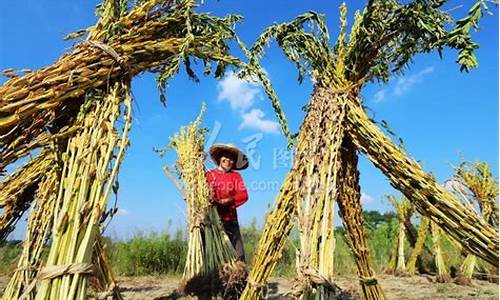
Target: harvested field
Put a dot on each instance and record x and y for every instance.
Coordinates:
(401, 288)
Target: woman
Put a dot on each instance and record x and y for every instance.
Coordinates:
(228, 189)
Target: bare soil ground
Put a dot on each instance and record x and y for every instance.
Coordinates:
(399, 288)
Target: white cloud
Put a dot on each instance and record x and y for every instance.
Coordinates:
(404, 84)
(379, 96)
(239, 93)
(365, 198)
(254, 119)
(242, 96)
(122, 212)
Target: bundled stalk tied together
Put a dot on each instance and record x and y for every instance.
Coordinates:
(310, 279)
(51, 272)
(441, 268)
(199, 220)
(38, 231)
(423, 230)
(77, 100)
(154, 35)
(397, 264)
(306, 195)
(91, 164)
(18, 190)
(318, 191)
(211, 268)
(55, 272)
(475, 184)
(429, 198)
(322, 173)
(383, 40)
(351, 212)
(368, 281)
(103, 282)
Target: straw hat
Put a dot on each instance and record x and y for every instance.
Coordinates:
(216, 151)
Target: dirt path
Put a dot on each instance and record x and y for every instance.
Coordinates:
(398, 288)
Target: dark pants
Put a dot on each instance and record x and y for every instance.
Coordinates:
(232, 229)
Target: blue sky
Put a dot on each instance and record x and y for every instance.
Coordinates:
(440, 113)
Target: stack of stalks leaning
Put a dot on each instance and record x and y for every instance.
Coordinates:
(380, 44)
(211, 266)
(323, 172)
(60, 102)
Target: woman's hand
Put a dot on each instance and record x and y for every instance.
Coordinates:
(225, 201)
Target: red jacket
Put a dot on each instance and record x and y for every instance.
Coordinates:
(227, 185)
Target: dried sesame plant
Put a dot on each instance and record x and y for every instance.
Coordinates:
(82, 104)
(211, 266)
(382, 41)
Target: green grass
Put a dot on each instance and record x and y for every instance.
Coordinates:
(164, 253)
(148, 254)
(9, 251)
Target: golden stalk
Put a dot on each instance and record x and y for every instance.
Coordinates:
(321, 135)
(38, 230)
(346, 67)
(420, 188)
(273, 239)
(153, 36)
(18, 190)
(419, 244)
(483, 186)
(467, 268)
(318, 150)
(91, 164)
(442, 272)
(42, 106)
(351, 213)
(403, 211)
(103, 282)
(210, 252)
(400, 261)
(316, 196)
(16, 149)
(476, 183)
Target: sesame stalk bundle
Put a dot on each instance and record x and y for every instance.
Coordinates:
(211, 268)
